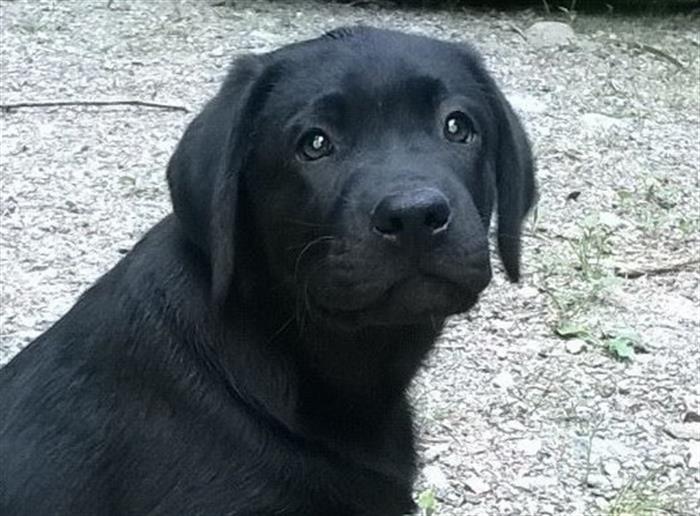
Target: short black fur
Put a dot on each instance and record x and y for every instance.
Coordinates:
(250, 355)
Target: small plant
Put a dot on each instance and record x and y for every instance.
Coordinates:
(644, 497)
(427, 502)
(576, 294)
(594, 244)
(570, 330)
(621, 344)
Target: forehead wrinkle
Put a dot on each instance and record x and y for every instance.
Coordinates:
(398, 98)
(332, 105)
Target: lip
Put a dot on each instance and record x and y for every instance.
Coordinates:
(390, 307)
(385, 296)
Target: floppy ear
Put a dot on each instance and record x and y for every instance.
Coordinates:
(515, 180)
(203, 173)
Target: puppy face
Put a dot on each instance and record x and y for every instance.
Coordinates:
(372, 180)
(363, 167)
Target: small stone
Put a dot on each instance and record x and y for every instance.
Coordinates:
(528, 104)
(549, 34)
(693, 455)
(578, 508)
(650, 465)
(611, 467)
(513, 427)
(602, 505)
(602, 449)
(530, 483)
(596, 121)
(452, 460)
(477, 485)
(472, 499)
(217, 52)
(434, 451)
(597, 481)
(529, 292)
(503, 380)
(617, 482)
(501, 354)
(685, 431)
(575, 346)
(675, 461)
(435, 477)
(530, 447)
(503, 325)
(624, 386)
(692, 408)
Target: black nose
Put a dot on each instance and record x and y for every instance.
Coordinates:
(416, 216)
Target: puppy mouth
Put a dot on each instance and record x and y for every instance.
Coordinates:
(409, 300)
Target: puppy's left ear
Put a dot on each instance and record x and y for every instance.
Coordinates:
(515, 180)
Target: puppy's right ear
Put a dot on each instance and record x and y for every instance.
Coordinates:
(204, 172)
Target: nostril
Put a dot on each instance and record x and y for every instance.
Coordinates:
(388, 225)
(395, 225)
(437, 217)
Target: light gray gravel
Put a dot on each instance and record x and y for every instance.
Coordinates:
(511, 423)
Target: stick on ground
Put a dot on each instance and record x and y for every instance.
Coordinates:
(97, 103)
(637, 271)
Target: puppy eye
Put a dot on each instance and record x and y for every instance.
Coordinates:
(459, 128)
(315, 145)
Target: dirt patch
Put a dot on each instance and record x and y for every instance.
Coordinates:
(513, 418)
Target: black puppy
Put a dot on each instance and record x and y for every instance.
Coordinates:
(250, 356)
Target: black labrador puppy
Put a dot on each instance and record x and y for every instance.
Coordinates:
(251, 355)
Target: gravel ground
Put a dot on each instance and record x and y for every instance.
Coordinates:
(514, 419)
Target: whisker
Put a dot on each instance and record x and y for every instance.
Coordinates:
(306, 249)
(282, 328)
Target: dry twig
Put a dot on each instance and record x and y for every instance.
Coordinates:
(97, 103)
(636, 272)
(659, 53)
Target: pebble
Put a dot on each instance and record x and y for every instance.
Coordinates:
(435, 477)
(602, 505)
(528, 104)
(529, 447)
(503, 380)
(685, 431)
(575, 346)
(596, 121)
(477, 485)
(693, 455)
(617, 482)
(548, 509)
(610, 448)
(503, 325)
(529, 292)
(597, 481)
(434, 451)
(217, 52)
(624, 386)
(534, 482)
(513, 427)
(675, 461)
(611, 467)
(691, 404)
(549, 34)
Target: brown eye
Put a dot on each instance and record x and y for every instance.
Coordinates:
(314, 145)
(459, 128)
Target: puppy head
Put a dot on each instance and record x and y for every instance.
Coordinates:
(367, 163)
